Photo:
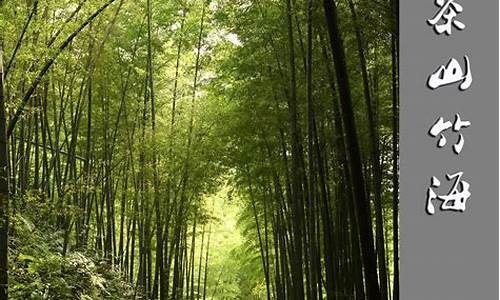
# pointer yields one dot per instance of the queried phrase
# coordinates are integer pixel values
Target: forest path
(226, 241)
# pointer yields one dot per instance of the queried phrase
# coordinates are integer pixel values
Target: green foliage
(87, 161)
(38, 270)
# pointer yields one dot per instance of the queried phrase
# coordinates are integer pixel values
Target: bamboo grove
(120, 120)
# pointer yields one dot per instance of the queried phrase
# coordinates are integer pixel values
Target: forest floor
(40, 270)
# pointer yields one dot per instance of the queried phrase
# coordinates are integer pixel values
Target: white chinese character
(440, 126)
(455, 200)
(449, 9)
(451, 73)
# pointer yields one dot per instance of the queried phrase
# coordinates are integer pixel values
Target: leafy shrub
(39, 271)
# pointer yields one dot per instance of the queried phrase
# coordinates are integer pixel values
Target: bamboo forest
(199, 149)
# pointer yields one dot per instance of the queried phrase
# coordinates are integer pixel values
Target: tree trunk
(312, 208)
(395, 166)
(4, 184)
(353, 151)
(375, 155)
(297, 192)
